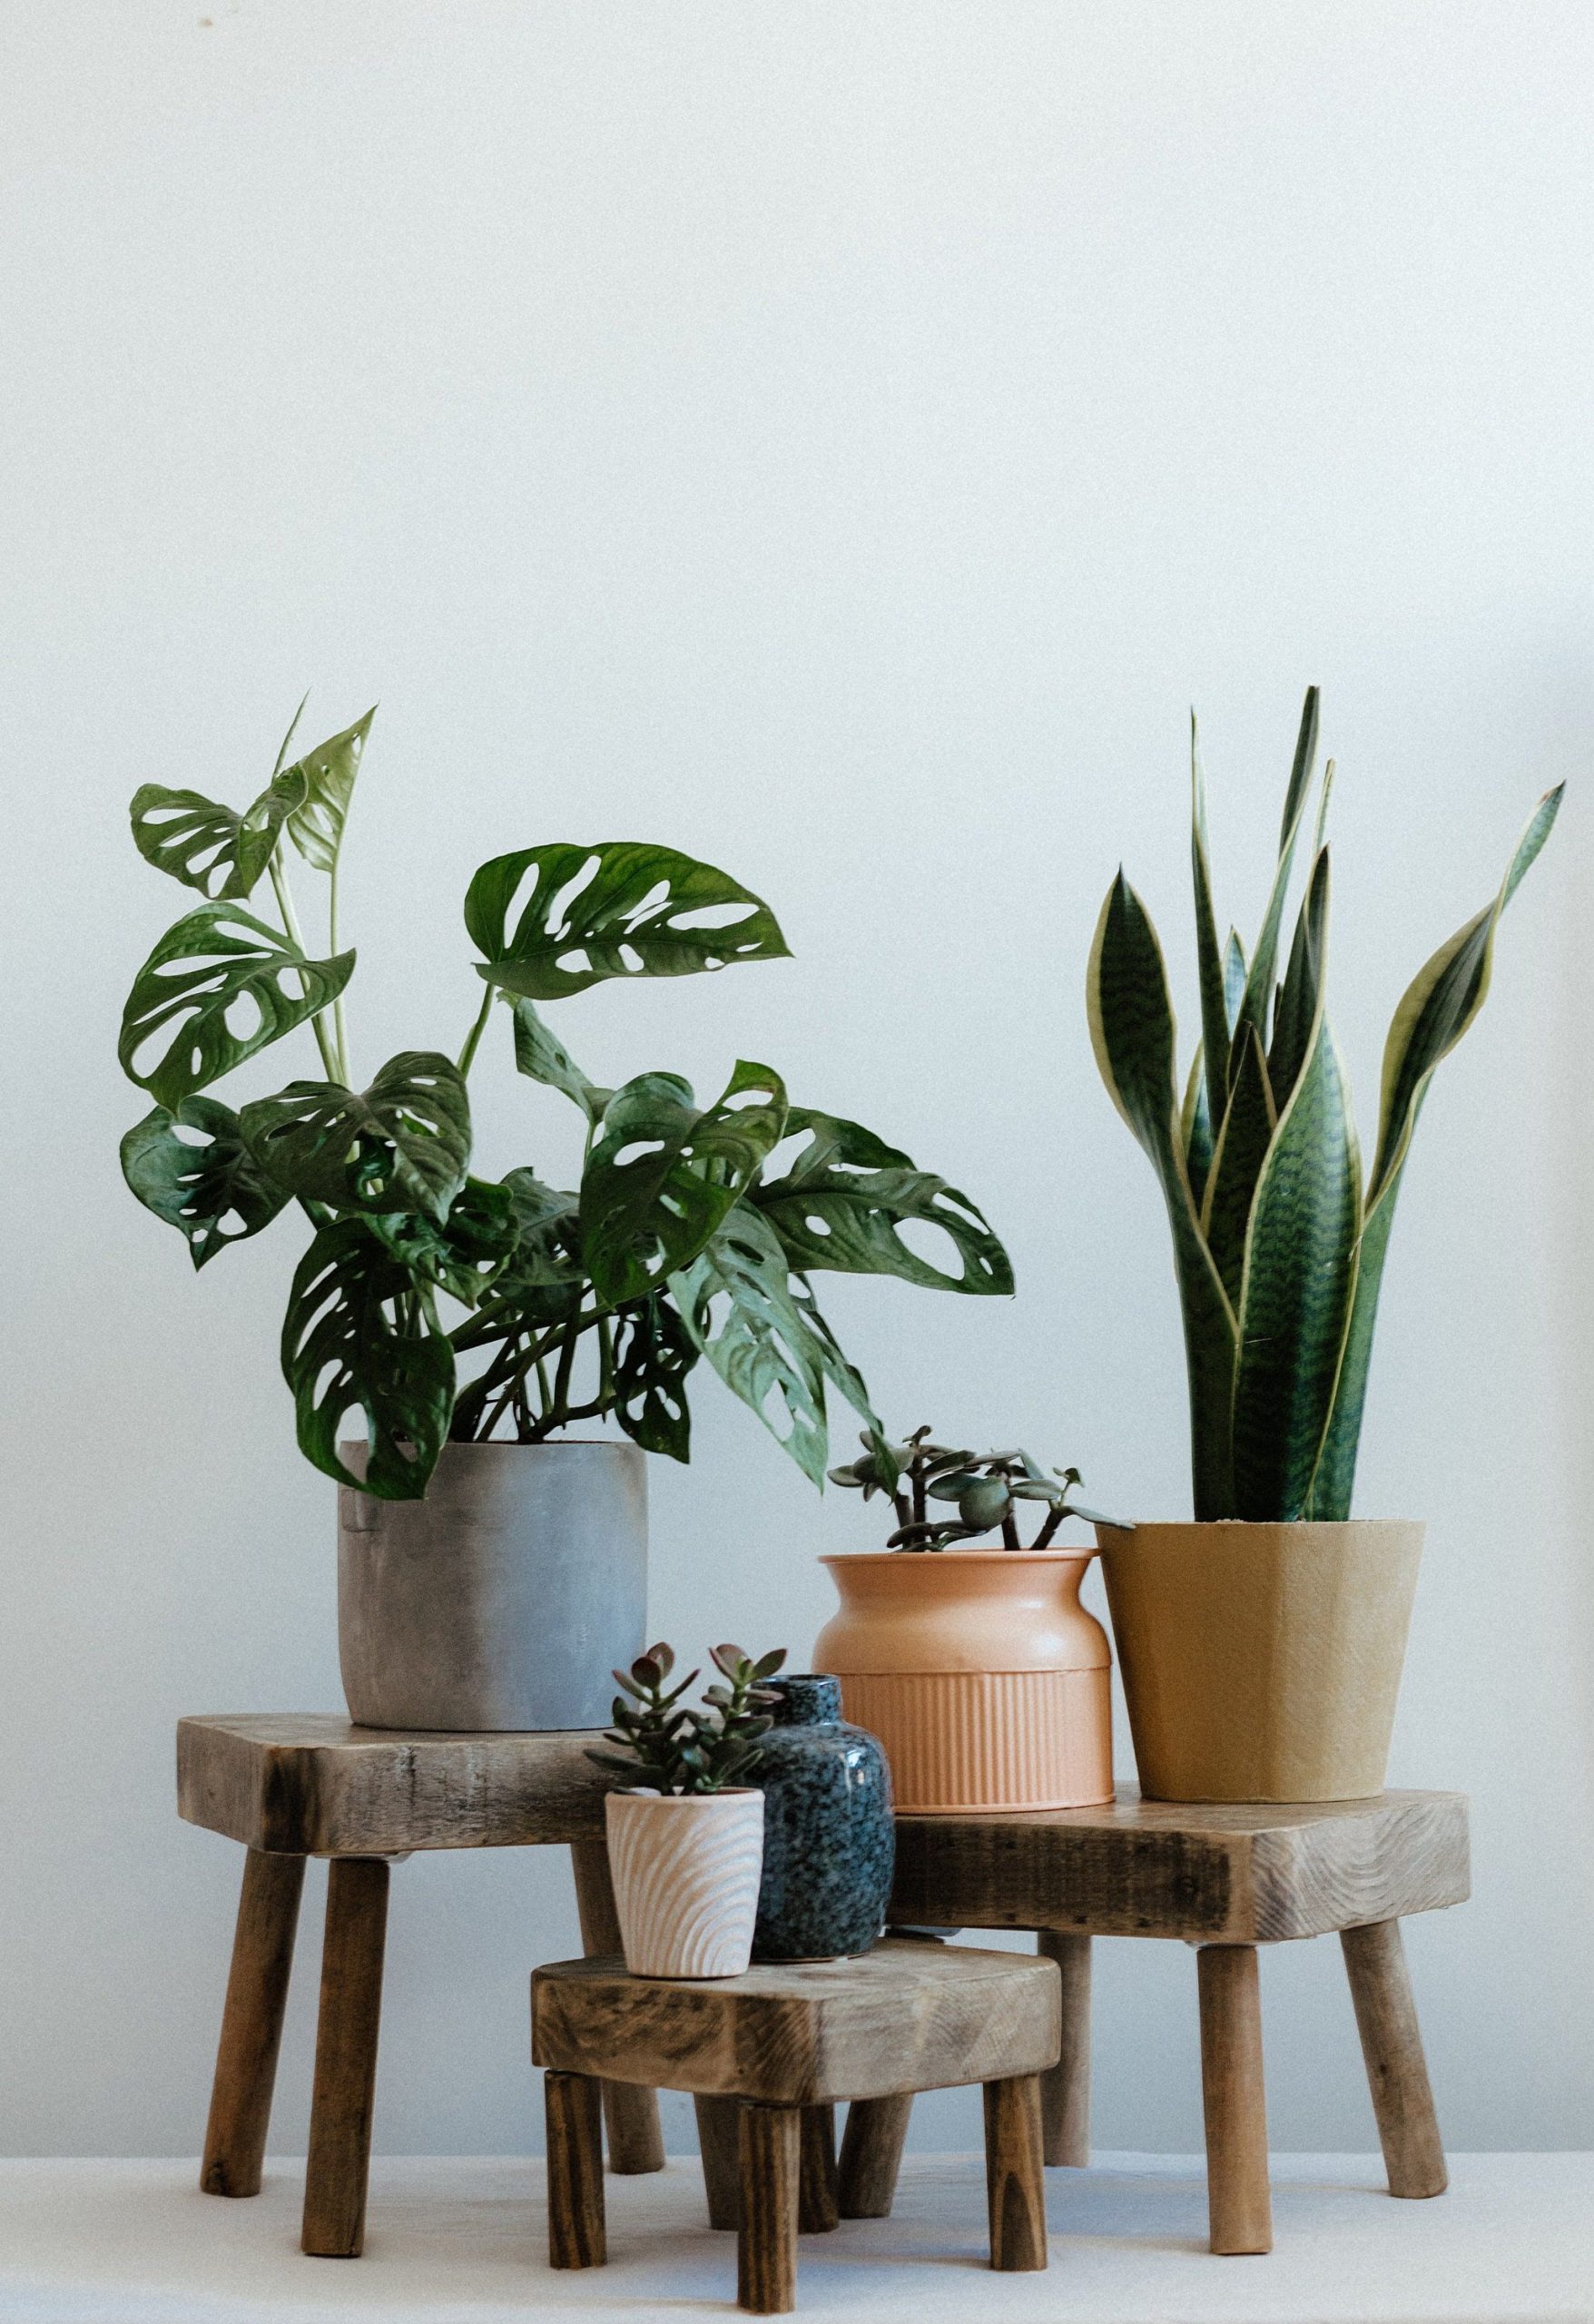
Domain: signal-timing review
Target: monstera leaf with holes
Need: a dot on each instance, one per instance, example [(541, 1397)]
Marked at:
[(846, 1198), (208, 1185), (222, 986), (1279, 1240), (361, 1332), (404, 1144)]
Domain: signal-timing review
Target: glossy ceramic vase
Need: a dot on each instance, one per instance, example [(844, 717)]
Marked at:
[(829, 1842), (984, 1678), (505, 1598), (685, 1873), (1262, 1662)]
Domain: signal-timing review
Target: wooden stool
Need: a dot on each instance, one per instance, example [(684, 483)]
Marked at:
[(783, 2045), (1226, 1879), (291, 1788)]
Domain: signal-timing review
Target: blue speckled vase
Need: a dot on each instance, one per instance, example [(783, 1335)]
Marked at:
[(829, 1841)]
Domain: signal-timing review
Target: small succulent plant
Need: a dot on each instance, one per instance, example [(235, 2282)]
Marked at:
[(665, 1744), (986, 1487)]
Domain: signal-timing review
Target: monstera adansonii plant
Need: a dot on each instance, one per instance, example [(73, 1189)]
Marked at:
[(439, 1304), (1279, 1236)]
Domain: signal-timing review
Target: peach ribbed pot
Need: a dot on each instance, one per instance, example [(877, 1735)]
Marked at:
[(982, 1675), (686, 1872)]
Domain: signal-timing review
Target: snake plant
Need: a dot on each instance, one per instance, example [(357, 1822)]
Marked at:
[(1279, 1236)]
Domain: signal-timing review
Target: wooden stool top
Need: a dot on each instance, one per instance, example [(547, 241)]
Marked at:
[(1214, 1874), (904, 2017), (308, 1784)]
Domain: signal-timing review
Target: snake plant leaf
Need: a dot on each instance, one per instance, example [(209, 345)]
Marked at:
[(359, 1333), (199, 1183), (1132, 1032), (654, 1353), (618, 909), (1209, 959), (541, 1055), (663, 1175), (1259, 978), (1233, 981), (327, 773), (1243, 1142), (1196, 1129), (1437, 1010), (1299, 1281), (1296, 1012), (845, 1197), (209, 846), (238, 965), (402, 1144)]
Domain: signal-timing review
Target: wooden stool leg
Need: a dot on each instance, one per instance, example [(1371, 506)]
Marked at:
[(1239, 2204), (1397, 2072), (631, 2115), (766, 2242), (1065, 2090), (1014, 2175), (346, 2058), (872, 2152), (719, 2136), (252, 2024), (817, 2190), (576, 2238)]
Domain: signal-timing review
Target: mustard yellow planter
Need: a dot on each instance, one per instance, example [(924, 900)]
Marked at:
[(1262, 1662)]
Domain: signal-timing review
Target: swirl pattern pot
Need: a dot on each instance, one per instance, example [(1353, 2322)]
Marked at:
[(686, 1874)]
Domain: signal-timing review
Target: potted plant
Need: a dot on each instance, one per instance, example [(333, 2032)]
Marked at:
[(686, 1840), (983, 1676), (1262, 1645), (491, 1568)]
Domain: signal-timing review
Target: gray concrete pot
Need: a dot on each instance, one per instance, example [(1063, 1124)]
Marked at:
[(505, 1598)]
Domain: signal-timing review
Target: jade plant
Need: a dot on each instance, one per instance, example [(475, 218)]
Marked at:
[(986, 1487), (1279, 1234), (662, 1744), (437, 1303)]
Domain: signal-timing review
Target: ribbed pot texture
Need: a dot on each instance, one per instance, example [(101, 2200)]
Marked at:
[(505, 1598), (1262, 1662), (686, 1874), (983, 1676)]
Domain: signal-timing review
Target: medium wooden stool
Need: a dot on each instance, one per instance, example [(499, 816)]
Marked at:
[(1226, 1879), (295, 1787), (784, 2043)]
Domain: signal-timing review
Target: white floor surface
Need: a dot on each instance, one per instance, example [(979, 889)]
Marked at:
[(459, 2241)]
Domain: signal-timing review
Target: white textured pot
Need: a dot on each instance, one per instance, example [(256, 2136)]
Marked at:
[(686, 1872)]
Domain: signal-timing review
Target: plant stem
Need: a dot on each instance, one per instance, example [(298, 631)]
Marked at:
[(473, 1038), (339, 1026), (291, 929), (1011, 1532)]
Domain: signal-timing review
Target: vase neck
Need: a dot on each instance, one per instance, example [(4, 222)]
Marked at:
[(806, 1702)]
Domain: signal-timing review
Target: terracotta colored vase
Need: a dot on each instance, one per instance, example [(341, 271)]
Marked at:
[(1262, 1661), (981, 1673), (685, 1871)]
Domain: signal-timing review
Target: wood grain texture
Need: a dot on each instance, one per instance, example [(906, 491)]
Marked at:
[(316, 1785), (719, 2140), (1239, 2204), (1065, 2088), (817, 2211), (871, 2155), (1217, 1875), (902, 2017), (338, 2163), (766, 2241), (631, 2116), (576, 2233), (1397, 2071), (1014, 2175), (252, 2024)]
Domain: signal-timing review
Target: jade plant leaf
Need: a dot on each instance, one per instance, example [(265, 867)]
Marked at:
[(208, 846), (847, 1194), (326, 780), (654, 1353), (218, 966), (402, 1144), (359, 1333), (201, 1184), (541, 1055), (617, 908), (663, 1175)]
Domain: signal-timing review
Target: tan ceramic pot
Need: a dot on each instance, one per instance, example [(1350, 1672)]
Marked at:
[(982, 1675), (685, 1871), (1262, 1661)]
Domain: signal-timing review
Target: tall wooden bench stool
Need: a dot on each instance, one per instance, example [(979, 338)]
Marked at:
[(294, 1787), (784, 2043), (1225, 1879)]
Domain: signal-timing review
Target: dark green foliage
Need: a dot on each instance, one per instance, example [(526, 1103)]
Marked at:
[(987, 1487), (661, 1744)]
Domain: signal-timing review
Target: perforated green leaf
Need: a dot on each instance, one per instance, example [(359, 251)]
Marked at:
[(359, 1334), (316, 823), (847, 1194), (201, 1184), (654, 1353), (404, 1143), (219, 964), (207, 846)]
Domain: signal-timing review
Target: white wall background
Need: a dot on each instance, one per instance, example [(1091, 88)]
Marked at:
[(840, 440)]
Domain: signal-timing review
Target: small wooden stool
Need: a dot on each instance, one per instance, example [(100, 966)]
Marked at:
[(1226, 1879), (784, 2044), (294, 1787)]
